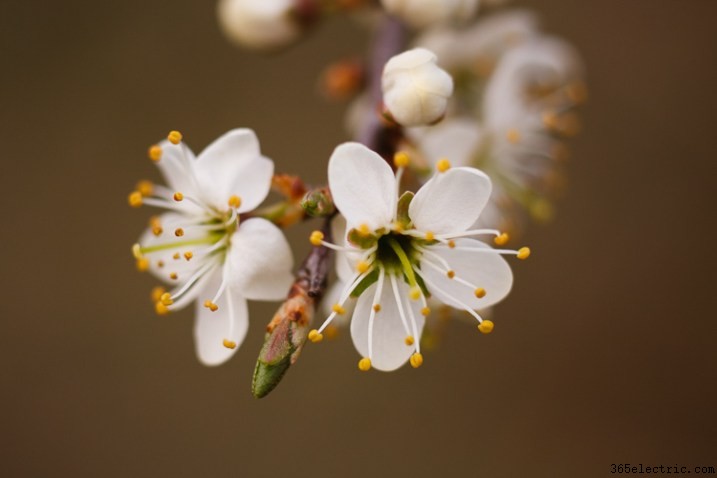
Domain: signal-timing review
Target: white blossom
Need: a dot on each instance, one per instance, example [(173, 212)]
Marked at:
[(404, 250), (259, 24), (203, 248), (415, 89)]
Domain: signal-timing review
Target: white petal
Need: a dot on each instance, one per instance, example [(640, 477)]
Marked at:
[(363, 186), (344, 265), (482, 269), (389, 334), (176, 165), (450, 201), (233, 165), (230, 322), (259, 261)]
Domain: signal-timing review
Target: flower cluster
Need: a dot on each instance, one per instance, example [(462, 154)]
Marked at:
[(456, 139)]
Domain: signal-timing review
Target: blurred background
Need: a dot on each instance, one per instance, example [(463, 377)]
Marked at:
[(604, 353)]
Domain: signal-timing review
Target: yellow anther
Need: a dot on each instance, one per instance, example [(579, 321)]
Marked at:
[(362, 266), (364, 230), (502, 239), (135, 199), (154, 221), (188, 255), (137, 251), (443, 165), (513, 136), (416, 360), (145, 187), (377, 307), (315, 336), (157, 230), (160, 308), (173, 276), (142, 264), (179, 232), (157, 293), (398, 227), (364, 364), (430, 236), (415, 293), (234, 201), (401, 159), (230, 344), (410, 340), (523, 253), (425, 311), (451, 274), (451, 243), (338, 309), (166, 299), (160, 264), (174, 137), (316, 237), (211, 305), (486, 327), (176, 256), (331, 332), (155, 153), (479, 292), (178, 196)]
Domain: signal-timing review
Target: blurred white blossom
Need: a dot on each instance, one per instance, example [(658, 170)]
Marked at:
[(423, 13), (415, 89), (259, 24)]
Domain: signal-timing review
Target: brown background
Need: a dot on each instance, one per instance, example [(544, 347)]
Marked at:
[(604, 353)]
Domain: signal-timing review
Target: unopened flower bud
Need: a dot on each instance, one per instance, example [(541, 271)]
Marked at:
[(318, 203), (259, 24), (423, 13), (415, 89)]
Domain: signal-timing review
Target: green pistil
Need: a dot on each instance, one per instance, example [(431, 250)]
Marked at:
[(405, 262)]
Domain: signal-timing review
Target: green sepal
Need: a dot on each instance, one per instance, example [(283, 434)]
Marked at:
[(365, 283), (402, 209)]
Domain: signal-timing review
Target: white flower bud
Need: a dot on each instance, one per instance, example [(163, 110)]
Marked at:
[(422, 13), (259, 24), (415, 89)]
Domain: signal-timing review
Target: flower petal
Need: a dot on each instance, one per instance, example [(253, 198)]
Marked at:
[(233, 165), (450, 201), (457, 139), (176, 165), (230, 321), (389, 334), (363, 186), (259, 261), (487, 270)]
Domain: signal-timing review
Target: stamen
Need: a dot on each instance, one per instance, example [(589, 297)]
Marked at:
[(316, 238), (425, 311), (160, 308), (364, 230), (135, 199), (523, 253), (188, 255), (399, 304), (430, 236), (364, 364), (173, 276), (409, 340), (145, 187), (155, 153), (443, 165), (338, 309), (401, 159), (157, 293), (176, 256), (229, 344), (502, 239), (174, 137), (345, 294), (160, 263), (315, 336), (472, 232), (479, 292), (415, 293), (234, 201), (486, 327), (179, 232), (142, 264), (377, 307), (137, 251), (362, 266), (157, 230), (178, 196), (211, 305), (464, 306), (166, 299), (451, 274), (416, 360), (513, 136)]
